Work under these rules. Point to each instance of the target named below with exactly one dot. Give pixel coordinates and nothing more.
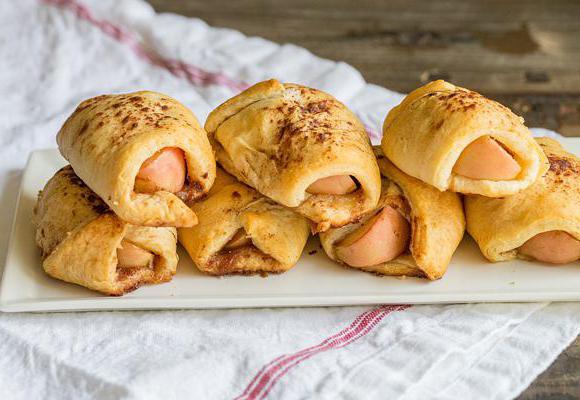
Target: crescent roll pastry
(414, 231)
(458, 140)
(143, 153)
(300, 147)
(83, 242)
(541, 223)
(243, 232)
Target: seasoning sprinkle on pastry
(458, 140)
(414, 230)
(541, 223)
(300, 147)
(83, 242)
(143, 153)
(242, 232)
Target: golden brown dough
(79, 237)
(425, 135)
(276, 235)
(436, 219)
(501, 226)
(108, 138)
(281, 138)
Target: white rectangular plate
(314, 281)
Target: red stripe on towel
(194, 74)
(268, 375)
(259, 374)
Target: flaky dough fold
(278, 235)
(79, 236)
(436, 219)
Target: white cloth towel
(55, 53)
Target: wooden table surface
(525, 54)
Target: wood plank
(525, 53)
(560, 381)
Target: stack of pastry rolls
(108, 220)
(142, 168)
(522, 195)
(443, 144)
(304, 150)
(294, 160)
(540, 223)
(301, 148)
(393, 210)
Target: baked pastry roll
(541, 223)
(143, 153)
(83, 242)
(414, 230)
(243, 232)
(300, 147)
(458, 140)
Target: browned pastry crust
(278, 235)
(425, 135)
(107, 139)
(79, 236)
(501, 226)
(280, 138)
(436, 218)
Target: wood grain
(525, 54)
(559, 382)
